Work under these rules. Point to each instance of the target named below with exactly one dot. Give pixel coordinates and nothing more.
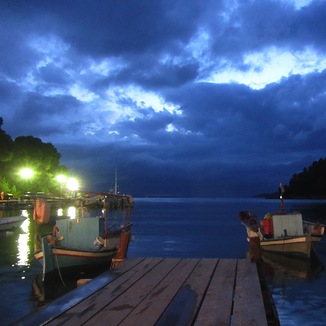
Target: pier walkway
(163, 291)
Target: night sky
(186, 98)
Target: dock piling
(123, 248)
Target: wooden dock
(157, 291)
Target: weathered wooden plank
(216, 308)
(148, 291)
(62, 304)
(117, 310)
(150, 309)
(128, 273)
(248, 306)
(183, 308)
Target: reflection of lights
(25, 225)
(72, 212)
(23, 246)
(23, 250)
(24, 212)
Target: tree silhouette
(5, 145)
(311, 182)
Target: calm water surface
(189, 228)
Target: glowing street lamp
(26, 174)
(61, 179)
(72, 185)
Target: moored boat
(9, 223)
(76, 244)
(279, 233)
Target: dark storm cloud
(115, 27)
(132, 83)
(44, 115)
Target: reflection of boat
(8, 223)
(279, 266)
(279, 233)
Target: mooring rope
(59, 271)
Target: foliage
(29, 152)
(5, 145)
(310, 183)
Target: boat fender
(99, 242)
(55, 230)
(52, 238)
(317, 229)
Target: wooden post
(255, 250)
(123, 248)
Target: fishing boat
(279, 233)
(9, 223)
(76, 244)
(96, 199)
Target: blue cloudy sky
(190, 98)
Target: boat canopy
(287, 225)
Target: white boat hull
(294, 246)
(297, 246)
(285, 234)
(62, 258)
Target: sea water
(190, 227)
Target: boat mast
(116, 181)
(281, 192)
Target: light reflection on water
(23, 240)
(25, 225)
(23, 250)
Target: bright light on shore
(26, 173)
(72, 184)
(61, 178)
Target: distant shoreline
(276, 196)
